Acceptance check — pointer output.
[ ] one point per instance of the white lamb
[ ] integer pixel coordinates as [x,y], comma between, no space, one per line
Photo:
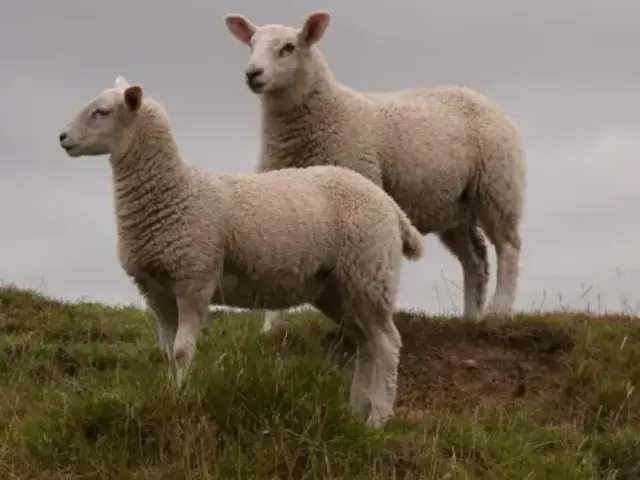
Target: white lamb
[448,155]
[324,235]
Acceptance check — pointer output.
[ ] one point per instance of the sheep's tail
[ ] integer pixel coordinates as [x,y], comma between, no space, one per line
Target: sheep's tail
[412,239]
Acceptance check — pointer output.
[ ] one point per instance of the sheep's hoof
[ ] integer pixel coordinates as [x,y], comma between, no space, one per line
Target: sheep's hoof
[268,331]
[272,330]
[472,318]
[178,377]
[377,419]
[360,407]
[276,335]
[499,307]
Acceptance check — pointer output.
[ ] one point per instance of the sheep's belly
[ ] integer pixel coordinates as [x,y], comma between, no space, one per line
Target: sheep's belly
[237,290]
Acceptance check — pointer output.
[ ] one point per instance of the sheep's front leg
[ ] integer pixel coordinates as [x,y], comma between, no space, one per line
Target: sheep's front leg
[193,306]
[273,321]
[164,307]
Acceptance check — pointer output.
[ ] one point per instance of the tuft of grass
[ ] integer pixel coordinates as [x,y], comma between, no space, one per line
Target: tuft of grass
[83,394]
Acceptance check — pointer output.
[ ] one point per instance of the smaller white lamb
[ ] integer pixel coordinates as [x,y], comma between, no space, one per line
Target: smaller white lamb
[326,236]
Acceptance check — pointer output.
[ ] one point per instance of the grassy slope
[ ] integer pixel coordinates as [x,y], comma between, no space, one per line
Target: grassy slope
[82,395]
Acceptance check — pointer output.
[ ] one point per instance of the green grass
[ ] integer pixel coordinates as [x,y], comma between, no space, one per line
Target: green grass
[83,395]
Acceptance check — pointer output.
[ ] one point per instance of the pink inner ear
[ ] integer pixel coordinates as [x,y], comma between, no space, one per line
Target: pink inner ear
[314,28]
[240,29]
[315,22]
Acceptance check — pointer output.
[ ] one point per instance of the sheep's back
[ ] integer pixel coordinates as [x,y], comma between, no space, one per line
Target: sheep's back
[298,218]
[279,218]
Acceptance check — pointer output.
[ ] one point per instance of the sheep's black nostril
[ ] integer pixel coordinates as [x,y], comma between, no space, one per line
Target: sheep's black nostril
[253,74]
[62,136]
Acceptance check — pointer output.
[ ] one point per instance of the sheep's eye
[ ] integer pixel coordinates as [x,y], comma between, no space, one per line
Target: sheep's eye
[287,49]
[100,112]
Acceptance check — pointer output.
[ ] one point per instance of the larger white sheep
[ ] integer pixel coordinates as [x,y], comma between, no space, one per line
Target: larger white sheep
[324,235]
[448,155]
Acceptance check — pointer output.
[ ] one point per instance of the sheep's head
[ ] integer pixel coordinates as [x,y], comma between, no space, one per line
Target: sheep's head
[280,55]
[97,128]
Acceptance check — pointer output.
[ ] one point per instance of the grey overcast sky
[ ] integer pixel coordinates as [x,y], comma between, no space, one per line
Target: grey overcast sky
[566,71]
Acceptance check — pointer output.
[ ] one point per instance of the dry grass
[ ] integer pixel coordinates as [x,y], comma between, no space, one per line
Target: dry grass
[82,395]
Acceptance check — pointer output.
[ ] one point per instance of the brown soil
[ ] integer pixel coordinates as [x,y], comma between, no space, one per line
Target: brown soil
[457,366]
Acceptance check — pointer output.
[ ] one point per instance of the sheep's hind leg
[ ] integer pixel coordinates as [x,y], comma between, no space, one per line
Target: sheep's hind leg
[468,245]
[374,384]
[193,307]
[501,226]
[368,315]
[373,388]
[507,254]
[359,402]
[331,304]
[385,345]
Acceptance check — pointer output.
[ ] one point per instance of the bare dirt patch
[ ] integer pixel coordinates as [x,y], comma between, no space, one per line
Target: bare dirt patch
[458,367]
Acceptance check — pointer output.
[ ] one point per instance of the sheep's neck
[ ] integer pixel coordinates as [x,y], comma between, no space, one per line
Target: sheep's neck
[149,170]
[295,128]
[316,100]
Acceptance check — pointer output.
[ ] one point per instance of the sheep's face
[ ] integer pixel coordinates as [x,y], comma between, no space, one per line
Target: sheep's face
[97,127]
[280,55]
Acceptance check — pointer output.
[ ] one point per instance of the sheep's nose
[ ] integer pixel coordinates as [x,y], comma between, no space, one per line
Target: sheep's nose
[62,136]
[253,73]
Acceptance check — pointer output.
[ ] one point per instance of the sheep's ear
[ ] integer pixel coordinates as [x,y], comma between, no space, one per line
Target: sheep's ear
[314,27]
[133,97]
[241,27]
[121,82]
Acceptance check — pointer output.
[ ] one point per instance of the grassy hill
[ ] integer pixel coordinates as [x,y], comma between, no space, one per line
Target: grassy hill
[82,395]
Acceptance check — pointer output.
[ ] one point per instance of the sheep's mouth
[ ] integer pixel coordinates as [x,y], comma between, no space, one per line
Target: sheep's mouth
[256,86]
[71,149]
